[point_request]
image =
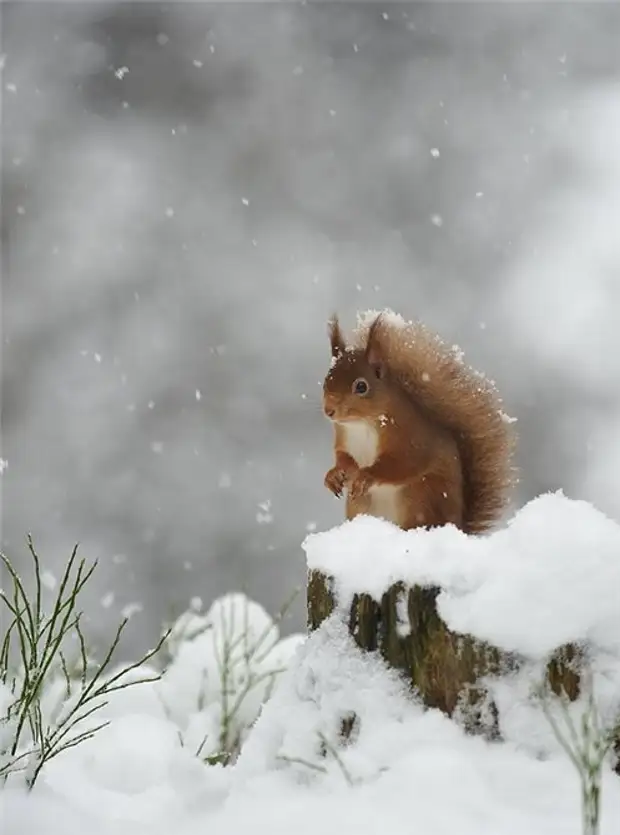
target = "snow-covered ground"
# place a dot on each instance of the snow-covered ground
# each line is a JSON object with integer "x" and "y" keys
{"x": 552, "y": 575}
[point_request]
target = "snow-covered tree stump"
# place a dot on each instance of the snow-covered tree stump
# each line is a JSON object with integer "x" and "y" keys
{"x": 445, "y": 668}
{"x": 456, "y": 614}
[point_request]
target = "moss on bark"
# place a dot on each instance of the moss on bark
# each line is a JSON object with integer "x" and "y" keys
{"x": 445, "y": 669}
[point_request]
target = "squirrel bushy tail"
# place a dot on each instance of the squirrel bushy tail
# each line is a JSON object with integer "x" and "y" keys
{"x": 458, "y": 398}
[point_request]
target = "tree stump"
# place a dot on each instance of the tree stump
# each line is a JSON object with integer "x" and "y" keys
{"x": 444, "y": 668}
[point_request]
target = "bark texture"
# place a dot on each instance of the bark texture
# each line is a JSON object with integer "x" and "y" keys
{"x": 446, "y": 669}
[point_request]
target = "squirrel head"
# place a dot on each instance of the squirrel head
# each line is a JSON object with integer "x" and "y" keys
{"x": 356, "y": 386}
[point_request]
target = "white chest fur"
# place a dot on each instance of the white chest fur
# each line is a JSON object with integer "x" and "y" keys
{"x": 385, "y": 502}
{"x": 361, "y": 442}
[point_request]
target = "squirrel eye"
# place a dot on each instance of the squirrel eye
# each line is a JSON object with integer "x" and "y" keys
{"x": 360, "y": 386}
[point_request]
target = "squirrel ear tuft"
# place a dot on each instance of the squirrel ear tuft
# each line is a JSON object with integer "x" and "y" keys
{"x": 380, "y": 369}
{"x": 373, "y": 354}
{"x": 335, "y": 336}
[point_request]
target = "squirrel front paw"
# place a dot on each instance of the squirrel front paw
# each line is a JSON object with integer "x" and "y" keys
{"x": 335, "y": 480}
{"x": 360, "y": 484}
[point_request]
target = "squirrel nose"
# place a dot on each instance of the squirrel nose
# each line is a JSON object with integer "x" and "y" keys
{"x": 330, "y": 412}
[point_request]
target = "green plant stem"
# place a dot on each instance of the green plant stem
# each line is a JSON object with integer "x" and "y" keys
{"x": 39, "y": 641}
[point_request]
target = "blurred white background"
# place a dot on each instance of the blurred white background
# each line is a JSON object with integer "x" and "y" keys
{"x": 188, "y": 190}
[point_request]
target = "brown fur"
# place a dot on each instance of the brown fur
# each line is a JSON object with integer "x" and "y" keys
{"x": 431, "y": 443}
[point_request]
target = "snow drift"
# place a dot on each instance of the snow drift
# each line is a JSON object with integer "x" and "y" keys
{"x": 551, "y": 576}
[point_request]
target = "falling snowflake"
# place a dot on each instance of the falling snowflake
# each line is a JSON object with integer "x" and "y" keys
{"x": 264, "y": 516}
{"x": 131, "y": 609}
{"x": 48, "y": 580}
{"x": 107, "y": 600}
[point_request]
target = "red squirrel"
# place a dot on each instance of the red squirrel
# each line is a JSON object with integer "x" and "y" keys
{"x": 420, "y": 439}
